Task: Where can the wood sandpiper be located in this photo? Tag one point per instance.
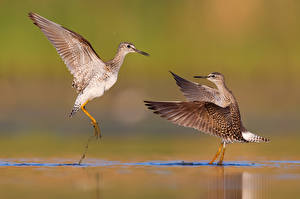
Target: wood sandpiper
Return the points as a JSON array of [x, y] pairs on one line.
[[212, 111], [92, 76]]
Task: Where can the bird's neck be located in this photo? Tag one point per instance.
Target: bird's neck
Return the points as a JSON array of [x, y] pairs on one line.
[[117, 61], [225, 92], [233, 107]]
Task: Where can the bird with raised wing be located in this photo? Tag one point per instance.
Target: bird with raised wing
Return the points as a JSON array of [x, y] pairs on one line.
[[92, 76], [209, 110]]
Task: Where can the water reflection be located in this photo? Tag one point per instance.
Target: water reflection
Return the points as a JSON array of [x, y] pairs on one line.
[[148, 180], [236, 185], [94, 180], [98, 185]]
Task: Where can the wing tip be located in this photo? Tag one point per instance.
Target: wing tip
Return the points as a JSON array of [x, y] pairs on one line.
[[174, 75], [177, 77], [33, 16], [147, 103], [30, 14], [179, 80], [151, 106]]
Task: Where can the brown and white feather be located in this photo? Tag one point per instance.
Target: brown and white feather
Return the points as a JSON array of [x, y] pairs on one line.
[[203, 116], [197, 92], [76, 52], [211, 111]]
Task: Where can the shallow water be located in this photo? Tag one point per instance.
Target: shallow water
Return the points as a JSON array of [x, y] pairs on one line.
[[103, 163], [96, 178], [147, 167]]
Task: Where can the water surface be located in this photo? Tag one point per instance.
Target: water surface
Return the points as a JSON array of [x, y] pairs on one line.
[[98, 178]]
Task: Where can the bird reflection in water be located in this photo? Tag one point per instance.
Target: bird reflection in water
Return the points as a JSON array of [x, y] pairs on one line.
[[236, 185], [98, 185]]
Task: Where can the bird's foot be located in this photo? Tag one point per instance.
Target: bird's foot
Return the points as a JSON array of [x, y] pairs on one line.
[[97, 130]]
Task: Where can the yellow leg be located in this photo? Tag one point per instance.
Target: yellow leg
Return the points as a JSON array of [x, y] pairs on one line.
[[217, 154], [222, 156], [94, 122]]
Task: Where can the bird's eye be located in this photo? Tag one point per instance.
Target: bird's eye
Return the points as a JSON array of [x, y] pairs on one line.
[[213, 76], [128, 46]]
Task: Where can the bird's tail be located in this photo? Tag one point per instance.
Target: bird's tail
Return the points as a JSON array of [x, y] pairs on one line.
[[250, 137], [74, 110]]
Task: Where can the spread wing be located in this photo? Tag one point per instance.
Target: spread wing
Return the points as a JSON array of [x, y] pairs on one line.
[[203, 116], [76, 52], [197, 92]]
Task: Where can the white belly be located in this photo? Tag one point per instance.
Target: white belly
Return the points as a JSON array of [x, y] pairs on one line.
[[96, 89], [110, 82]]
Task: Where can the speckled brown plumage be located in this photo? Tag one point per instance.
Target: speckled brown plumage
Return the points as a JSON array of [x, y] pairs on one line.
[[203, 116], [209, 110]]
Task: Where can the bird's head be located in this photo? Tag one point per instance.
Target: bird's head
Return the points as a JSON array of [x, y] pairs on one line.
[[127, 47], [214, 77]]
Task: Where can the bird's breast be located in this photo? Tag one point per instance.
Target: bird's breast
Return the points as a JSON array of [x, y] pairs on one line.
[[109, 82]]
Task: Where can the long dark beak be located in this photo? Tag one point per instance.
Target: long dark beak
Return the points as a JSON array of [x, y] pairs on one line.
[[141, 52], [205, 77]]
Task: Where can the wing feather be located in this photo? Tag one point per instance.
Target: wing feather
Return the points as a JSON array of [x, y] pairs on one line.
[[76, 52], [197, 92], [203, 116]]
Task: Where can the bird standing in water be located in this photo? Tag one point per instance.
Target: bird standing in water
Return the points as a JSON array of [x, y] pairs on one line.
[[92, 76], [212, 111]]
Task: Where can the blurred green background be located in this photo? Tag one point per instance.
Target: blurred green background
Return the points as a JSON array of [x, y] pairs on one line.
[[254, 43]]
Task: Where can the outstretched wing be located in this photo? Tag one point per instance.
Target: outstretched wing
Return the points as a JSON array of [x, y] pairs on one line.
[[204, 116], [76, 52], [197, 92]]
